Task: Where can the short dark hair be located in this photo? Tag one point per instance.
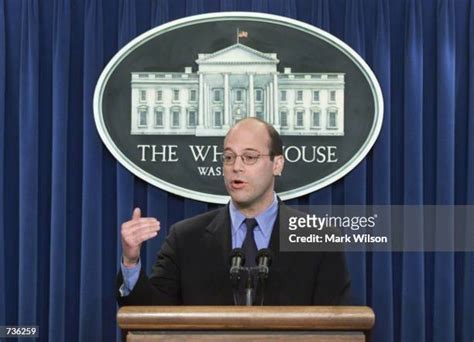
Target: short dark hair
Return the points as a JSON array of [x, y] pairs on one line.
[[276, 144]]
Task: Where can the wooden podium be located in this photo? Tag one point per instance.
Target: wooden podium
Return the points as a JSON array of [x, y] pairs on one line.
[[243, 323]]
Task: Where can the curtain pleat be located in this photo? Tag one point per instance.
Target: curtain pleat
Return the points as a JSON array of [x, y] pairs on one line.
[[11, 177], [285, 8], [75, 171], [381, 298], [60, 114], [3, 255], [90, 325], [159, 12], [57, 265], [260, 6], [228, 5], [194, 7], [443, 282], [413, 288], [320, 14], [29, 160], [355, 182]]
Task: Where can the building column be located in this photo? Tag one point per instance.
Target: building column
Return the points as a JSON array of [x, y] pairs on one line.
[[251, 97], [271, 112], [227, 115], [201, 102], [266, 99], [276, 99]]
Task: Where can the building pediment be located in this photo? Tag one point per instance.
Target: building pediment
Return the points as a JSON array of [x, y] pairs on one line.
[[237, 54]]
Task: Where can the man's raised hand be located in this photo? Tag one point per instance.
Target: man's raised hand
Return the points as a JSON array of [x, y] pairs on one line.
[[134, 233]]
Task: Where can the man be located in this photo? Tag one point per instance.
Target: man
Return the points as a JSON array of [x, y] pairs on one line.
[[192, 267]]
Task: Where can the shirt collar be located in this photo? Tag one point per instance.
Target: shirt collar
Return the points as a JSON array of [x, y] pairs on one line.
[[265, 219]]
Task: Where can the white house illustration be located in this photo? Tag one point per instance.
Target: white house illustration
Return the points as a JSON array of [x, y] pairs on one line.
[[232, 84]]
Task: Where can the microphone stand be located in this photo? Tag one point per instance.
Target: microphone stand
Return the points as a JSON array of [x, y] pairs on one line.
[[264, 260], [262, 282], [237, 260], [256, 276], [249, 287]]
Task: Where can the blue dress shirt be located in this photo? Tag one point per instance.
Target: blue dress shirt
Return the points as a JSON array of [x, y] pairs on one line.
[[262, 232]]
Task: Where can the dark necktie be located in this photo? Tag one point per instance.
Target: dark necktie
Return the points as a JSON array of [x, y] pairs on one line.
[[249, 246]]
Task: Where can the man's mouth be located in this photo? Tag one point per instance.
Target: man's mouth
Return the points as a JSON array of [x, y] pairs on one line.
[[237, 184]]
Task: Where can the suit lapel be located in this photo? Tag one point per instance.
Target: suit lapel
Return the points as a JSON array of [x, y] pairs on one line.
[[218, 242], [218, 234]]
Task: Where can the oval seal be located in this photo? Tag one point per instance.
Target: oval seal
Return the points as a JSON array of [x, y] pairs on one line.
[[165, 101]]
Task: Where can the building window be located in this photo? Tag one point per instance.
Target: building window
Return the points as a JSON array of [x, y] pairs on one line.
[[315, 95], [192, 95], [159, 117], [142, 116], [142, 95], [192, 117], [259, 113], [332, 96], [217, 95], [159, 96], [175, 112], [284, 118], [239, 96], [316, 119], [175, 94], [299, 118], [258, 95], [283, 95], [299, 96], [217, 118], [332, 118]]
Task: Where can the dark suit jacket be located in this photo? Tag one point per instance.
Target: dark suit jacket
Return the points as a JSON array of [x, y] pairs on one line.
[[192, 268]]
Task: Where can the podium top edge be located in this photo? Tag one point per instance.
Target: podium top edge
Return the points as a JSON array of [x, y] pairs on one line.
[[246, 318]]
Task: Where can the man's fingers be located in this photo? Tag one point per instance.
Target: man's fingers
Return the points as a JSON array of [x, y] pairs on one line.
[[137, 213], [138, 237], [145, 235], [140, 223], [140, 229], [135, 234]]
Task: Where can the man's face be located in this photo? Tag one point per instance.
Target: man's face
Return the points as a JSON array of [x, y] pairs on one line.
[[251, 186]]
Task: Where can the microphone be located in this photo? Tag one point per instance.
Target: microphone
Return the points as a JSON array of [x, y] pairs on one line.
[[237, 261], [264, 261]]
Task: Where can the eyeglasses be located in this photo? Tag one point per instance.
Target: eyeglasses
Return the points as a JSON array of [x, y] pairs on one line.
[[248, 158]]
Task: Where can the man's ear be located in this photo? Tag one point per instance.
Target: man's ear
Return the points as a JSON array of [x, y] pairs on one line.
[[278, 163]]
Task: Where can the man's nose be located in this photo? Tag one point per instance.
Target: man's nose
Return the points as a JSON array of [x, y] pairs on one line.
[[238, 164]]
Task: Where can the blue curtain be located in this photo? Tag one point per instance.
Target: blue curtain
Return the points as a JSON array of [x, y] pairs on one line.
[[63, 197], [381, 278], [2, 160]]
